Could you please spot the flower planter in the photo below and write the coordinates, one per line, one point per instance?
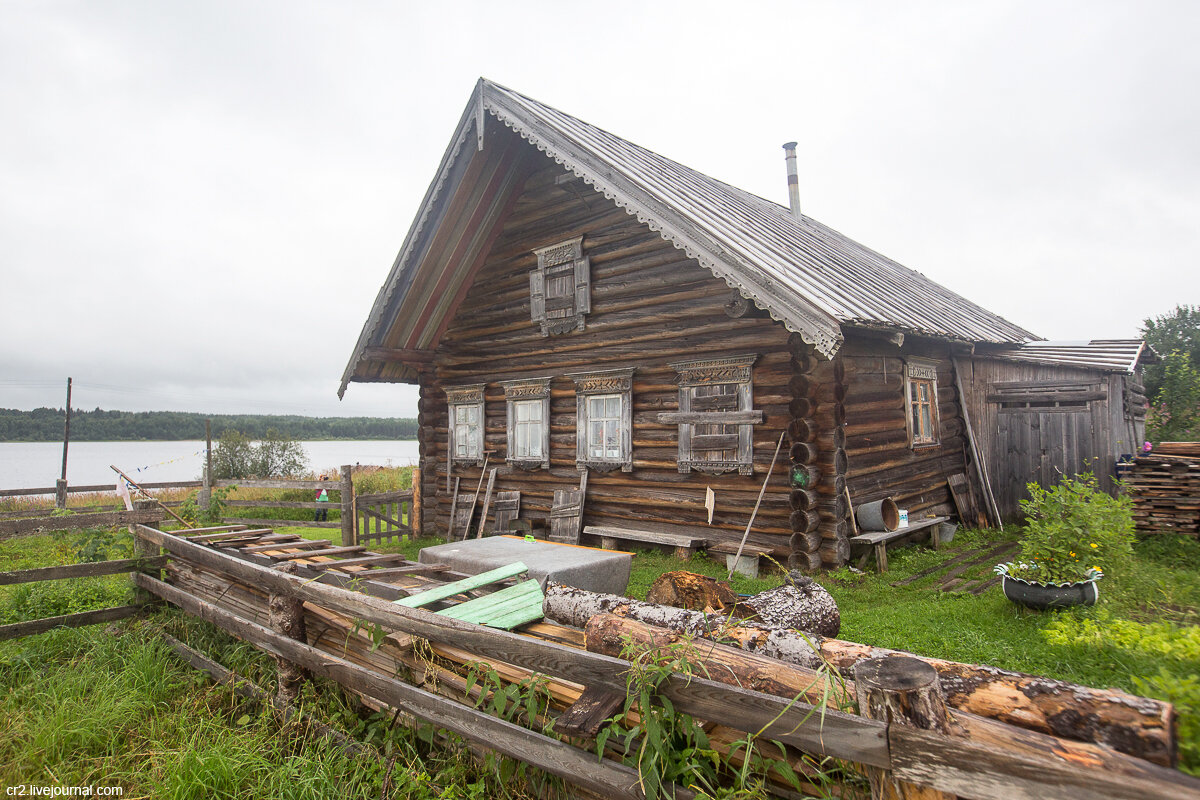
(1043, 596)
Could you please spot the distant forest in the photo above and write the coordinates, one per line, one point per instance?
(46, 425)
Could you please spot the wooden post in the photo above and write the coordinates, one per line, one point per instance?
(204, 497)
(60, 493)
(143, 548)
(287, 617)
(905, 692)
(415, 508)
(349, 528)
(60, 486)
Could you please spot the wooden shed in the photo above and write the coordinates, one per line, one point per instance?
(572, 304)
(1049, 409)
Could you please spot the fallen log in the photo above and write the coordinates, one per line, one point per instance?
(1138, 726)
(611, 635)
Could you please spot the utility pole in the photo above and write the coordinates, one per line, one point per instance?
(60, 487)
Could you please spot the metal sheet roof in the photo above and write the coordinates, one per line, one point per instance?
(1109, 355)
(804, 274)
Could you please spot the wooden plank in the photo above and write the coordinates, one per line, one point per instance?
(466, 584)
(799, 724)
(998, 552)
(239, 532)
(588, 714)
(84, 570)
(13, 527)
(275, 484)
(487, 503)
(413, 569)
(385, 497)
(359, 562)
(79, 620)
(711, 417)
(285, 523)
(579, 767)
(508, 507)
(506, 608)
(298, 544)
(330, 551)
(878, 537)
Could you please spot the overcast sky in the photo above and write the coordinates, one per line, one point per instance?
(200, 200)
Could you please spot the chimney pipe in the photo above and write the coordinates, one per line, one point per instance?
(793, 178)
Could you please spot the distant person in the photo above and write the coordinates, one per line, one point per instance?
(322, 497)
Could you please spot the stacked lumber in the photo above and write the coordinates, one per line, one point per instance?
(1166, 493)
(1191, 449)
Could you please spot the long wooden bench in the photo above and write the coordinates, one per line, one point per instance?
(684, 544)
(879, 540)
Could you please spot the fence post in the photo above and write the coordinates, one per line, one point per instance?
(144, 548)
(204, 496)
(349, 526)
(414, 509)
(286, 615)
(60, 493)
(901, 691)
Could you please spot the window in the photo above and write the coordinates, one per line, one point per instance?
(560, 293)
(466, 423)
(604, 419)
(716, 416)
(528, 422)
(921, 389)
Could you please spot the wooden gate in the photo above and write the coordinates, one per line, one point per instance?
(384, 516)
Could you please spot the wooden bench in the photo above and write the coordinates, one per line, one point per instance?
(684, 544)
(879, 540)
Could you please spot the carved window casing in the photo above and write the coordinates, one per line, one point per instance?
(716, 415)
(921, 402)
(604, 419)
(528, 404)
(560, 287)
(465, 433)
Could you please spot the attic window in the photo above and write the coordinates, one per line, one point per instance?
(716, 416)
(465, 405)
(1042, 396)
(560, 290)
(528, 404)
(920, 387)
(604, 419)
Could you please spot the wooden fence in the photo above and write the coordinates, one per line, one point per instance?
(384, 516)
(1008, 764)
(344, 486)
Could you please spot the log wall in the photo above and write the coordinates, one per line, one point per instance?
(651, 306)
(880, 461)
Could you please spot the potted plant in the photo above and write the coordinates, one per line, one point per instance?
(1073, 535)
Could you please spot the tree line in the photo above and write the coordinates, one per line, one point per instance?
(46, 425)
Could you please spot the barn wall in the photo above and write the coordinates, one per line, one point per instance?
(651, 305)
(1041, 446)
(880, 461)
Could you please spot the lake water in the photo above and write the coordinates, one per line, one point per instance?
(28, 465)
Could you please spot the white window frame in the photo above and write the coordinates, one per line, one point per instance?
(603, 383)
(561, 264)
(919, 373)
(467, 398)
(524, 393)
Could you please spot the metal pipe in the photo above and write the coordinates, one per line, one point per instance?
(793, 178)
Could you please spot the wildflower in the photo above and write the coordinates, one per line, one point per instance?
(1072, 554)
(1094, 545)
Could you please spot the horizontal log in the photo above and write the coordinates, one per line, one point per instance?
(839, 735)
(85, 570)
(577, 766)
(805, 561)
(104, 519)
(79, 620)
(399, 496)
(277, 484)
(710, 417)
(288, 523)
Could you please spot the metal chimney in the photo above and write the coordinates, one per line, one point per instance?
(789, 150)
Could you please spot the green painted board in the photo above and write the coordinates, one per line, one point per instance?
(506, 608)
(458, 587)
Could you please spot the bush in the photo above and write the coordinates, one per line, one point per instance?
(1072, 530)
(236, 456)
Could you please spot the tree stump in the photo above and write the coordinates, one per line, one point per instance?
(682, 589)
(901, 691)
(287, 617)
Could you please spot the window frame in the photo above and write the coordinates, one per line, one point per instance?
(735, 371)
(529, 390)
(918, 373)
(597, 383)
(562, 259)
(467, 397)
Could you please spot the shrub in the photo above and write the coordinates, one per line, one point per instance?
(1073, 532)
(236, 456)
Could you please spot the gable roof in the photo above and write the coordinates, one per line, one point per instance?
(1106, 355)
(804, 274)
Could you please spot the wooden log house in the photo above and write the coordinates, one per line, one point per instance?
(569, 302)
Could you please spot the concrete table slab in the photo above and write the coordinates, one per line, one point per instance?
(582, 567)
